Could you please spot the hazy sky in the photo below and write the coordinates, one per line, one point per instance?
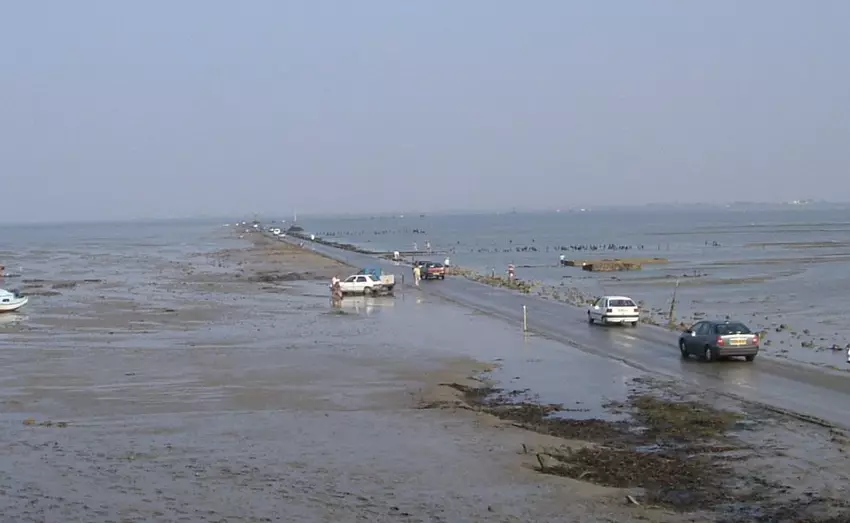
(177, 108)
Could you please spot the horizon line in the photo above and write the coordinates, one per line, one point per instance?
(244, 216)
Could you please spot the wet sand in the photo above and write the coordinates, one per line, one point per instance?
(198, 390)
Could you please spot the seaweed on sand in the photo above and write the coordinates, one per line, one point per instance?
(673, 450)
(684, 421)
(671, 478)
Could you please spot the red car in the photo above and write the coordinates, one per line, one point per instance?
(432, 270)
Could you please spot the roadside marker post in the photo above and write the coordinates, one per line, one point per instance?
(524, 318)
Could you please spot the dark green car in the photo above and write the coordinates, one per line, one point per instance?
(714, 340)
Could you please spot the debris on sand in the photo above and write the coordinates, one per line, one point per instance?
(677, 452)
(673, 450)
(668, 478)
(33, 423)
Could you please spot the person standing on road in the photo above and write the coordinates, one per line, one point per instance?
(417, 275)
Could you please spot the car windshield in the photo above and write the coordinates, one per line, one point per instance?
(621, 303)
(724, 329)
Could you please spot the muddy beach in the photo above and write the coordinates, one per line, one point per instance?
(213, 387)
(220, 385)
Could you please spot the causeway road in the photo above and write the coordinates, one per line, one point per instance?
(806, 392)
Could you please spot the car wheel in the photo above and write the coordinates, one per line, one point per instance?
(634, 324)
(443, 277)
(683, 349)
(751, 357)
(708, 354)
(589, 318)
(367, 291)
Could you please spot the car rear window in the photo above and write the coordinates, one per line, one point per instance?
(621, 303)
(732, 328)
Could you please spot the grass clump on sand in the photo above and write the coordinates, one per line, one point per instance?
(681, 421)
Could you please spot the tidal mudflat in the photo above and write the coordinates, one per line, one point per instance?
(221, 385)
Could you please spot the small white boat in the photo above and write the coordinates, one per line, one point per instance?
(11, 301)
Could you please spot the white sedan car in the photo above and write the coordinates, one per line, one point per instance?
(614, 309)
(361, 284)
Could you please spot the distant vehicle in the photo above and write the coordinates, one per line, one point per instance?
(614, 309)
(713, 340)
(432, 270)
(387, 280)
(361, 284)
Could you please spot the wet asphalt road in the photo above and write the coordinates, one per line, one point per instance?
(805, 391)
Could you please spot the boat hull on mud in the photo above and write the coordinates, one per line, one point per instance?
(10, 301)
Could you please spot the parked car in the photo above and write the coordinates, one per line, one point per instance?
(614, 309)
(361, 284)
(387, 280)
(713, 340)
(432, 270)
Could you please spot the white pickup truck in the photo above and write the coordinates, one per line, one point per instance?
(361, 284)
(387, 280)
